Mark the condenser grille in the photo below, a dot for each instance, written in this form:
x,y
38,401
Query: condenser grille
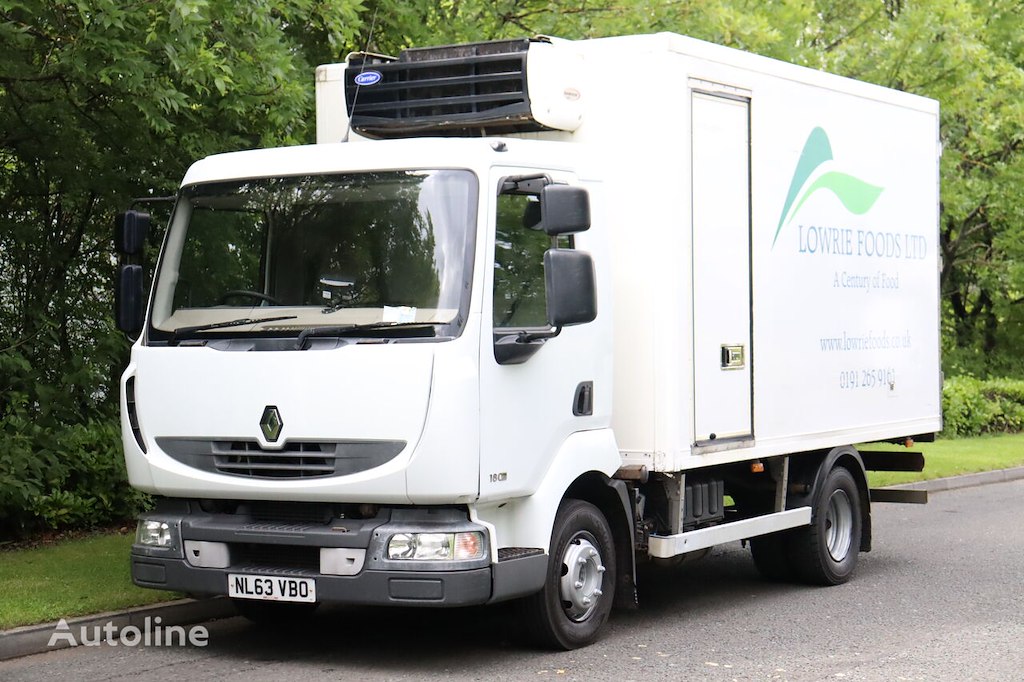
x,y
455,90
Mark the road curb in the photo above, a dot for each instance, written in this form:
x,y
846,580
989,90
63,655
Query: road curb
x,y
964,481
35,639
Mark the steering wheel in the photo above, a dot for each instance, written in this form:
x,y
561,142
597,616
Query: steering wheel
x,y
251,294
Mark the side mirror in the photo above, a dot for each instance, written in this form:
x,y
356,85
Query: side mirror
x,y
571,287
564,209
129,299
130,229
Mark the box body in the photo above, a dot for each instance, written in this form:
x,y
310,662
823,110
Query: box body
x,y
773,212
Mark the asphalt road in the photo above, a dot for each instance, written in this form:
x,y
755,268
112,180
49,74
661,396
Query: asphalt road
x,y
941,597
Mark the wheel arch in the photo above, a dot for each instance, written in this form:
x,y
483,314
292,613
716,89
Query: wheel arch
x,y
582,469
614,500
809,471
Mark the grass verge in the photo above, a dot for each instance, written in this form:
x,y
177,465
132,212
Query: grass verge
x,y
945,458
72,578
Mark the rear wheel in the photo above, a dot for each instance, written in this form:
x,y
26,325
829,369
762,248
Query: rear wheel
x,y
771,556
770,552
825,553
577,595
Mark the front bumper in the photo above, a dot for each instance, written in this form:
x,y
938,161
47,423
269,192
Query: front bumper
x,y
405,588
344,555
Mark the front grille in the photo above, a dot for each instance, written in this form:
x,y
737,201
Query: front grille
x,y
454,90
275,558
302,513
295,459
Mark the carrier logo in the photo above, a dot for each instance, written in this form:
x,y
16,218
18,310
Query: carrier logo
x,y
271,423
368,78
856,195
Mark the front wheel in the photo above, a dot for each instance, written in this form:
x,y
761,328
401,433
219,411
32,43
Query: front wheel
x,y
577,595
825,553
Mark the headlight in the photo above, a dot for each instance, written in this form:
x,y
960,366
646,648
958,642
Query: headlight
x,y
154,534
436,546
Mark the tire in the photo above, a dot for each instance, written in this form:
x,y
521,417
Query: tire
x,y
770,552
825,553
771,556
271,613
580,585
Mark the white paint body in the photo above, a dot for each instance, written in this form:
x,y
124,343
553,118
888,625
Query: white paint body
x,y
823,329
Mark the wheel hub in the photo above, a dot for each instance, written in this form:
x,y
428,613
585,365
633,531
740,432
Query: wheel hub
x,y
839,525
582,576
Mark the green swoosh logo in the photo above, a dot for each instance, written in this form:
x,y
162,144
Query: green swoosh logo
x,y
856,195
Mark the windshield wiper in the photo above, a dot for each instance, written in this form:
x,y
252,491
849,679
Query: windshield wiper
x,y
183,331
356,329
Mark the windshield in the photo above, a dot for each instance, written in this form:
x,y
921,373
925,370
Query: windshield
x,y
275,256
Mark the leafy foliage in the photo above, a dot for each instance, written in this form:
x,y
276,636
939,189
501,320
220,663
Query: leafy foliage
x,y
102,101
62,475
973,407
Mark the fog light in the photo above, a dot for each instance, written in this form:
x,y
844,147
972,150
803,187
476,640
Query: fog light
x,y
154,534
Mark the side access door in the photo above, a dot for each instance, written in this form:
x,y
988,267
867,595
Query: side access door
x,y
722,315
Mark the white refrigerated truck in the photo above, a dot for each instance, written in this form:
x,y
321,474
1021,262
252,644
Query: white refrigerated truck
x,y
529,313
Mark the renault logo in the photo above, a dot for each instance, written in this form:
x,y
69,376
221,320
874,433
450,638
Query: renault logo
x,y
271,423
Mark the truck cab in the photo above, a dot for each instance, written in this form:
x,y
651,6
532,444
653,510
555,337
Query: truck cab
x,y
365,341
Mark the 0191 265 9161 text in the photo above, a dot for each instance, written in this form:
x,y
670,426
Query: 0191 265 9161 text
x,y
884,377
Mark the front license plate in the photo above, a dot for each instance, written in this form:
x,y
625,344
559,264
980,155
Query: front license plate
x,y
271,588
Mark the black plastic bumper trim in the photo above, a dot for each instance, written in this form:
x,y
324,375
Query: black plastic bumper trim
x,y
405,588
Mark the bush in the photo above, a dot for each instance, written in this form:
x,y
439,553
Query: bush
x,y
64,477
61,463
95,489
973,407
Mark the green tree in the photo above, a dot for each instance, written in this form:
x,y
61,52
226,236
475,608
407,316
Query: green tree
x,y
967,55
102,101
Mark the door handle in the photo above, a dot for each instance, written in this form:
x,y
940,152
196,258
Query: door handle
x,y
733,356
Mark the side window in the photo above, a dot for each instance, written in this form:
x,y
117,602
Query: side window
x,y
519,296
